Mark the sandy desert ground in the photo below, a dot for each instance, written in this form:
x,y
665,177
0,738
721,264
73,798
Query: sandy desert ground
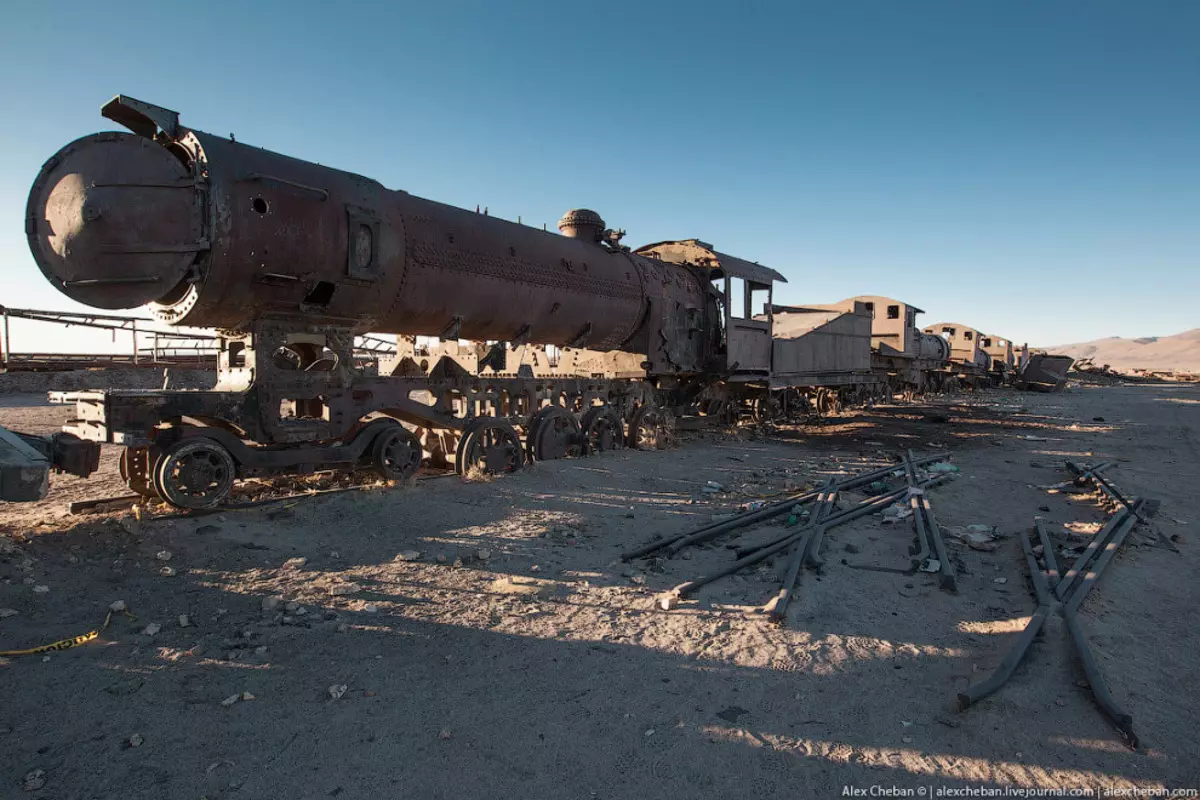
x,y
518,656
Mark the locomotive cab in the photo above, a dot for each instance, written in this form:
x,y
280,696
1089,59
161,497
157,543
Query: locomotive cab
x,y
740,312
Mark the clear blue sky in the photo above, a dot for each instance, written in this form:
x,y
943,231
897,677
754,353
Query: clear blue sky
x,y
978,159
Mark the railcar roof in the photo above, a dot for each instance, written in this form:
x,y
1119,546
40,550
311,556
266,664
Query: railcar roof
x,y
702,254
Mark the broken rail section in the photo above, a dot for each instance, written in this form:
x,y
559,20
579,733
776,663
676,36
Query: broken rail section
x,y
1066,594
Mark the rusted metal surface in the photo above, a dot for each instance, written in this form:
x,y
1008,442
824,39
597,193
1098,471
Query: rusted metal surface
x,y
999,351
118,220
1045,373
964,343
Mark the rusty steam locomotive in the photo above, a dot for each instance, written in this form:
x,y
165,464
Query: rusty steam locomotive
x,y
290,259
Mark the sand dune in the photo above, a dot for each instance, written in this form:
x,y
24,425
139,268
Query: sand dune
x,y
1180,352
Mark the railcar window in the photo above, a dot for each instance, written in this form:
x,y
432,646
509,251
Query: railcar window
x,y
760,298
870,309
737,298
968,336
893,312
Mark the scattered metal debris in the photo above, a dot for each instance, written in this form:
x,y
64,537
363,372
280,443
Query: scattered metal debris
x,y
804,543
705,533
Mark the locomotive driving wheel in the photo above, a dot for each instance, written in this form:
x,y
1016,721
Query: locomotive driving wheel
x,y
554,433
602,430
823,402
647,430
396,453
194,473
766,408
491,446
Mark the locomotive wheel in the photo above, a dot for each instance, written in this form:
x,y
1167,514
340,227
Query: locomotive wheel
x,y
766,409
491,446
602,430
195,473
720,409
823,403
136,471
646,429
396,453
554,433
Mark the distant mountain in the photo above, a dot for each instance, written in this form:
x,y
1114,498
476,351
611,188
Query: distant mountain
x,y
1180,352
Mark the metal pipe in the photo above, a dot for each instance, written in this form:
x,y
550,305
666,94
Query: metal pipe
x,y
1016,654
779,508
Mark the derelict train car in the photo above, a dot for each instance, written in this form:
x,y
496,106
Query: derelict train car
x,y
290,259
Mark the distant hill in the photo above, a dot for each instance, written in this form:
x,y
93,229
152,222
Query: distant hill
x,y
1180,352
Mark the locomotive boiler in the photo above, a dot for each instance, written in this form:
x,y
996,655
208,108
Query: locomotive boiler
x,y
213,233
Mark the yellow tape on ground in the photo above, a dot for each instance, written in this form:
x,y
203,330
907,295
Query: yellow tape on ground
x,y
64,644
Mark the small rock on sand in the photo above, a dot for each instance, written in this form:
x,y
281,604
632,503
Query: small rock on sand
x,y
34,780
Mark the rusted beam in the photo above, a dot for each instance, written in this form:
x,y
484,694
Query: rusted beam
x,y
1016,653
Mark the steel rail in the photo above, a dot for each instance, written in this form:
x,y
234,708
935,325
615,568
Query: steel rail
x,y
1091,670
1016,654
894,495
776,509
777,607
869,506
1101,537
947,581
1110,489
1110,550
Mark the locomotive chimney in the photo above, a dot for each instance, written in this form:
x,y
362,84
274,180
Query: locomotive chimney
x,y
582,223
